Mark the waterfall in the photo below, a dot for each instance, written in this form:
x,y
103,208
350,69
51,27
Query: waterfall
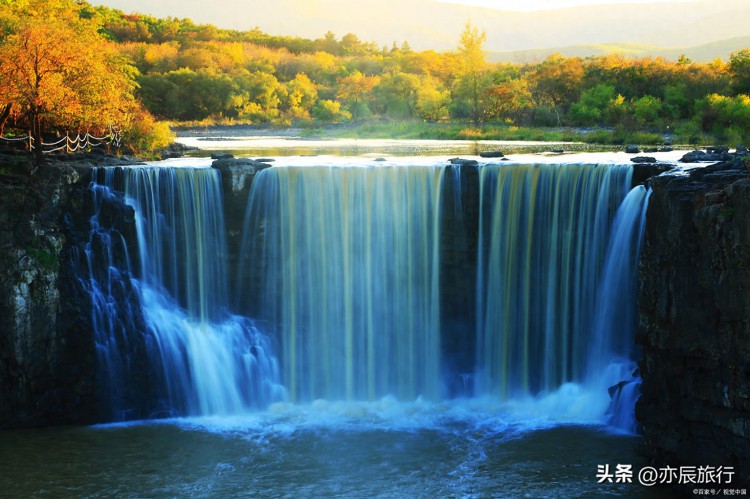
x,y
347,262
544,232
203,360
616,312
355,283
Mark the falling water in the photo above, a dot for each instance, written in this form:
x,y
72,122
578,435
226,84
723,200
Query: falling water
x,y
366,281
544,232
206,360
616,312
347,261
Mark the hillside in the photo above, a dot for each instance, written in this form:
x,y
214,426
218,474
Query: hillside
x,y
700,53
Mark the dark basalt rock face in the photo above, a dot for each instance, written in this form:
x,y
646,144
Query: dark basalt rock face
x,y
694,325
43,347
47,347
237,175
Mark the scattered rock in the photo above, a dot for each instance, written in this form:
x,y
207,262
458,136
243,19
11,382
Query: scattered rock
x,y
243,163
463,162
491,154
558,151
651,150
717,150
666,149
643,159
265,160
702,156
379,159
221,155
642,172
632,149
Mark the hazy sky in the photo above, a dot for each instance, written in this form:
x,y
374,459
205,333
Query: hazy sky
x,y
437,24
531,5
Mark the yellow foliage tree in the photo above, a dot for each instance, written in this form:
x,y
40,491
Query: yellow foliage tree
x,y
58,73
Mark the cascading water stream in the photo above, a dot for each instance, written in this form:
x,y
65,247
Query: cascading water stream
x,y
204,360
544,232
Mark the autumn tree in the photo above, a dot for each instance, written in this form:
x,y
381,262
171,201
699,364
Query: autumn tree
x,y
556,83
472,66
354,90
57,72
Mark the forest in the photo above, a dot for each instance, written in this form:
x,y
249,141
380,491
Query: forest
x,y
105,67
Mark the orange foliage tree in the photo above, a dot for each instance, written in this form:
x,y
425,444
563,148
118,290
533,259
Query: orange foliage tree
x,y
58,73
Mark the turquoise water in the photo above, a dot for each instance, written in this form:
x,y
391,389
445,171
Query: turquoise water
x,y
381,449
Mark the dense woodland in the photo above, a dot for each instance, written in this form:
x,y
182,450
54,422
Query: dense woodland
x,y
107,67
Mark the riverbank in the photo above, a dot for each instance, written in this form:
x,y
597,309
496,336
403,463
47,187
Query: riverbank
x,y
419,130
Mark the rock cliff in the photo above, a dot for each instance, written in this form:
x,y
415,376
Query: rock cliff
x,y
39,381
47,350
695,319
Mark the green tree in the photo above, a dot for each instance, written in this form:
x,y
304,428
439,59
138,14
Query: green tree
x,y
592,105
739,69
646,110
395,95
301,96
432,100
330,111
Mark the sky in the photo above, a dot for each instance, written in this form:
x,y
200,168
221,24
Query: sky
x,y
437,24
532,5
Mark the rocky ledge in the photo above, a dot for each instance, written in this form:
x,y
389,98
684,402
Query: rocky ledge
x,y
694,325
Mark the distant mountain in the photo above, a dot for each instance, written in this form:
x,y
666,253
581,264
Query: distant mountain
x,y
701,53
430,24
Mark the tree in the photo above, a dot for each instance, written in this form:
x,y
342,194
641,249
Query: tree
x,y
353,90
432,100
301,95
472,64
592,105
57,72
395,95
557,82
739,68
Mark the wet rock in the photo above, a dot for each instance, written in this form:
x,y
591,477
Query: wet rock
x,y
704,157
632,149
717,150
221,155
643,159
644,171
491,154
463,162
694,319
666,149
